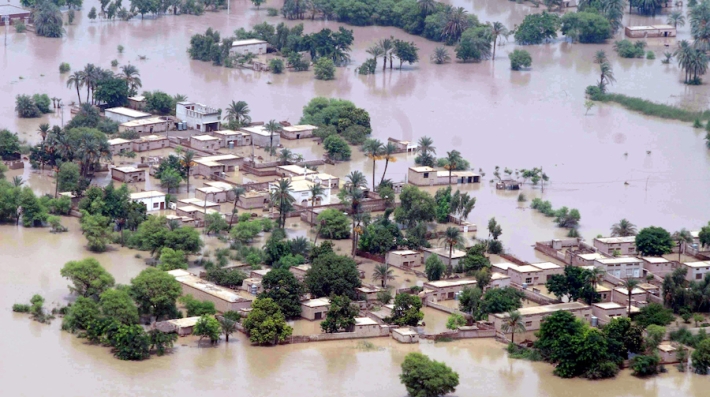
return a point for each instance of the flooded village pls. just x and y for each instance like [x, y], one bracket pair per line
[182, 226]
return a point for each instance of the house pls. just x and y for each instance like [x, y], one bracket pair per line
[622, 267]
[623, 245]
[216, 165]
[14, 14]
[194, 212]
[526, 275]
[421, 176]
[605, 311]
[658, 265]
[299, 271]
[205, 142]
[696, 270]
[368, 293]
[147, 126]
[457, 177]
[153, 200]
[315, 309]
[443, 253]
[548, 269]
[502, 268]
[636, 32]
[122, 115]
[230, 139]
[405, 335]
[119, 145]
[499, 280]
[127, 174]
[182, 220]
[224, 299]
[508, 184]
[219, 192]
[294, 170]
[604, 292]
[301, 192]
[366, 327]
[668, 353]
[298, 131]
[620, 295]
[427, 176]
[137, 102]
[326, 180]
[199, 203]
[261, 137]
[180, 326]
[448, 289]
[587, 259]
[253, 199]
[254, 46]
[198, 116]
[252, 285]
[404, 146]
[404, 258]
[532, 316]
[150, 142]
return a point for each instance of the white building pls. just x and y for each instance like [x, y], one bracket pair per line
[696, 270]
[153, 200]
[198, 116]
[301, 191]
[242, 47]
[622, 267]
[123, 115]
[261, 137]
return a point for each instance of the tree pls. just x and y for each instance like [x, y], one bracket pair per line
[282, 198]
[497, 29]
[187, 160]
[382, 273]
[406, 311]
[424, 377]
[676, 18]
[456, 24]
[266, 324]
[25, 107]
[161, 341]
[654, 241]
[434, 268]
[34, 213]
[623, 337]
[112, 91]
[118, 305]
[92, 16]
[324, 69]
[97, 231]
[643, 365]
[655, 334]
[453, 161]
[238, 192]
[373, 150]
[499, 300]
[452, 238]
[228, 326]
[68, 177]
[155, 292]
[681, 237]
[337, 148]
[406, 52]
[704, 236]
[215, 223]
[272, 127]
[623, 229]
[475, 44]
[519, 59]
[537, 28]
[130, 342]
[416, 205]
[701, 358]
[285, 290]
[513, 323]
[340, 316]
[48, 20]
[455, 321]
[654, 313]
[333, 224]
[574, 284]
[197, 307]
[170, 179]
[441, 56]
[332, 274]
[207, 327]
[90, 279]
[171, 259]
[585, 27]
[387, 154]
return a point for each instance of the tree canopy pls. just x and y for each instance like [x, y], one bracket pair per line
[90, 279]
[332, 274]
[424, 377]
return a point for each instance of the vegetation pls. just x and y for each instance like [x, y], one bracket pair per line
[585, 27]
[155, 293]
[282, 287]
[341, 315]
[337, 148]
[332, 274]
[575, 283]
[455, 321]
[654, 241]
[651, 108]
[47, 19]
[89, 278]
[207, 327]
[623, 229]
[333, 224]
[424, 377]
[197, 307]
[265, 324]
[519, 59]
[32, 107]
[324, 69]
[407, 310]
[627, 49]
[654, 313]
[337, 116]
[536, 28]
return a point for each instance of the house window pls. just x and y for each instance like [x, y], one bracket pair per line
[528, 280]
[698, 276]
[528, 323]
[426, 175]
[156, 205]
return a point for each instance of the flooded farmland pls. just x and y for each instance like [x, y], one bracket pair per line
[609, 164]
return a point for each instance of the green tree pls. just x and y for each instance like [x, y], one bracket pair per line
[537, 28]
[68, 177]
[333, 224]
[90, 279]
[700, 359]
[424, 377]
[475, 44]
[215, 223]
[434, 268]
[81, 314]
[130, 342]
[654, 241]
[265, 324]
[513, 323]
[407, 310]
[519, 59]
[455, 321]
[452, 238]
[207, 327]
[340, 316]
[112, 91]
[337, 148]
[441, 56]
[161, 341]
[332, 274]
[25, 107]
[118, 305]
[500, 300]
[92, 13]
[405, 51]
[171, 259]
[623, 337]
[470, 300]
[623, 229]
[574, 284]
[228, 327]
[281, 198]
[170, 179]
[654, 337]
[681, 237]
[34, 213]
[196, 307]
[97, 231]
[654, 313]
[585, 27]
[48, 20]
[281, 286]
[324, 69]
[643, 365]
[382, 273]
[373, 150]
[155, 292]
[416, 205]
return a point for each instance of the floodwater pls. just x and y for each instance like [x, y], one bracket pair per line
[492, 115]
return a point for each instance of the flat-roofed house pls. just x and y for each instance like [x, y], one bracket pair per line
[254, 199]
[325, 180]
[532, 316]
[153, 200]
[405, 335]
[604, 292]
[181, 326]
[205, 142]
[230, 139]
[15, 13]
[696, 270]
[622, 267]
[224, 299]
[649, 31]
[198, 203]
[658, 265]
[261, 137]
[122, 115]
[243, 47]
[214, 165]
[194, 212]
[421, 176]
[119, 145]
[605, 311]
[620, 295]
[499, 280]
[528, 275]
[457, 177]
[298, 131]
[315, 309]
[404, 258]
[301, 191]
[548, 269]
[624, 245]
[137, 102]
[443, 253]
[587, 259]
[502, 267]
[294, 170]
[147, 126]
[368, 293]
[150, 142]
[447, 289]
[216, 194]
[299, 271]
[259, 273]
[252, 286]
[198, 116]
[128, 174]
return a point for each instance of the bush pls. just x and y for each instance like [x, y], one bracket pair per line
[626, 49]
[20, 27]
[594, 93]
[650, 55]
[424, 377]
[337, 148]
[324, 69]
[114, 63]
[645, 365]
[272, 12]
[333, 224]
[520, 59]
[120, 49]
[654, 313]
[64, 67]
[20, 308]
[523, 353]
[277, 66]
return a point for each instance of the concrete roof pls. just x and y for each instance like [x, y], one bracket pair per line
[624, 291]
[546, 265]
[319, 302]
[405, 331]
[146, 121]
[148, 194]
[204, 138]
[128, 169]
[118, 141]
[299, 128]
[528, 311]
[504, 265]
[152, 138]
[608, 305]
[136, 114]
[184, 322]
[450, 283]
[592, 256]
[526, 269]
[616, 240]
[422, 169]
[228, 132]
[258, 130]
[619, 260]
[204, 286]
[220, 184]
[696, 264]
[296, 169]
[404, 252]
[219, 157]
[498, 276]
[261, 272]
[198, 202]
[445, 173]
[456, 254]
[304, 268]
[192, 208]
[654, 259]
[138, 98]
[238, 43]
[365, 321]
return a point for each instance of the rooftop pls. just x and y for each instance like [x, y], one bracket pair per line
[319, 302]
[184, 322]
[592, 256]
[195, 282]
[647, 286]
[405, 331]
[118, 141]
[696, 264]
[619, 260]
[504, 265]
[456, 254]
[404, 252]
[299, 128]
[9, 9]
[148, 194]
[498, 276]
[192, 208]
[655, 259]
[526, 269]
[238, 43]
[151, 138]
[444, 173]
[546, 265]
[450, 283]
[204, 138]
[196, 201]
[650, 27]
[128, 169]
[259, 130]
[220, 184]
[624, 291]
[616, 240]
[365, 321]
[261, 272]
[228, 132]
[608, 305]
[303, 268]
[141, 122]
[136, 114]
[296, 169]
[219, 157]
[422, 169]
[530, 311]
[137, 98]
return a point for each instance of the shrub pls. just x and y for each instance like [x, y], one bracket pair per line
[337, 148]
[645, 365]
[20, 27]
[324, 69]
[594, 92]
[114, 63]
[64, 67]
[626, 49]
[520, 59]
[276, 65]
[650, 55]
[272, 12]
[20, 308]
[120, 49]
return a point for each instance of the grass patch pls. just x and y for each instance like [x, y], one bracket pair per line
[523, 353]
[367, 346]
[444, 339]
[654, 109]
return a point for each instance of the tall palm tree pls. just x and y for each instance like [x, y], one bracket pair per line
[497, 29]
[76, 80]
[227, 326]
[623, 229]
[453, 161]
[606, 76]
[387, 47]
[683, 54]
[238, 193]
[513, 323]
[352, 194]
[90, 79]
[680, 237]
[596, 274]
[426, 145]
[382, 273]
[629, 286]
[272, 126]
[285, 156]
[188, 161]
[456, 23]
[699, 63]
[43, 130]
[17, 181]
[239, 112]
[427, 6]
[375, 51]
[600, 57]
[282, 197]
[388, 152]
[315, 190]
[131, 75]
[373, 149]
[676, 18]
[452, 238]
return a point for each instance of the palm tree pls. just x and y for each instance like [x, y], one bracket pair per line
[315, 190]
[441, 55]
[130, 74]
[698, 64]
[452, 238]
[453, 161]
[282, 197]
[600, 57]
[375, 51]
[514, 324]
[606, 76]
[623, 229]
[629, 285]
[596, 274]
[373, 149]
[90, 79]
[272, 127]
[352, 194]
[17, 181]
[387, 48]
[228, 327]
[676, 18]
[238, 193]
[382, 274]
[456, 23]
[76, 79]
[239, 112]
[388, 152]
[497, 29]
[683, 54]
[285, 156]
[680, 237]
[188, 161]
[43, 131]
[426, 145]
[426, 6]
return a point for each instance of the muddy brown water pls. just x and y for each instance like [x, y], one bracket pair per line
[490, 114]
